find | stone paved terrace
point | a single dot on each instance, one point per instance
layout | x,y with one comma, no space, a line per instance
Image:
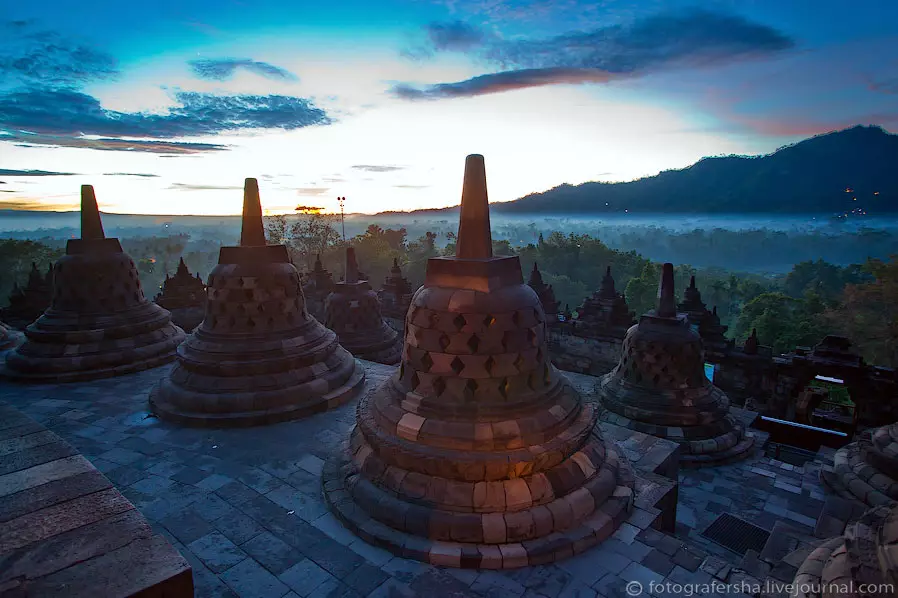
245,506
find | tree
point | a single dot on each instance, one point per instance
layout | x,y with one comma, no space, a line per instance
783,322
642,291
868,314
313,233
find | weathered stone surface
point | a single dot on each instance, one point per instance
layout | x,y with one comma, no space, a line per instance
477,453
545,293
64,531
258,357
866,471
8,338
184,296
99,323
660,388
352,310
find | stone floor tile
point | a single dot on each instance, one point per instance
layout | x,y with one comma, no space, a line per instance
260,481
548,581
124,476
577,589
187,526
331,526
213,482
365,579
217,552
304,506
658,562
236,493
405,570
392,588
190,475
305,577
641,574
249,579
212,507
153,485
121,456
311,464
238,527
372,554
435,583
466,576
272,553
502,582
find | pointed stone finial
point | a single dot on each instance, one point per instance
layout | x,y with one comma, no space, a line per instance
608,271
667,306
252,232
692,282
714,311
395,262
352,266
91,225
474,240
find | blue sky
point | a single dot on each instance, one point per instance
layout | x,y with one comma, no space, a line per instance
166,108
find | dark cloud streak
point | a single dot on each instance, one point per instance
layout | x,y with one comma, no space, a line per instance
223,69
377,167
687,38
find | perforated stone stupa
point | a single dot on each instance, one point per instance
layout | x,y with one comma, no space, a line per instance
184,296
317,286
258,357
99,323
867,470
396,292
660,388
605,312
8,338
28,303
478,453
705,321
865,556
352,310
544,291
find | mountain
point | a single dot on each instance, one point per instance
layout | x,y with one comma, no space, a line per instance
812,176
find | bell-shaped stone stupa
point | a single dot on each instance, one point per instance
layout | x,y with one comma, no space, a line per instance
544,291
258,357
352,310
8,338
861,562
99,323
867,470
659,387
184,296
478,453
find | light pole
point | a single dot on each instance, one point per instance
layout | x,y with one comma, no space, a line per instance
341,201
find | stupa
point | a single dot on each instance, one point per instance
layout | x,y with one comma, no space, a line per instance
99,323
8,338
258,357
318,285
544,291
864,558
605,312
352,310
28,303
867,470
477,452
184,296
396,292
659,387
705,321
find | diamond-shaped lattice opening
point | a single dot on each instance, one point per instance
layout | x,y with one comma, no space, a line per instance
531,336
433,319
473,343
250,322
489,320
458,321
414,381
504,387
547,375
539,354
444,341
519,362
457,365
531,381
426,362
488,364
239,282
536,315
515,318
439,385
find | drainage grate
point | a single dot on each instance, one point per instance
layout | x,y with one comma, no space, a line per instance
735,534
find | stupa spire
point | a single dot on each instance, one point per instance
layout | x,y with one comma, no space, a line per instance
91,225
667,306
692,282
252,232
352,266
474,240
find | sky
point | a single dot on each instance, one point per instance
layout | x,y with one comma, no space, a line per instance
166,107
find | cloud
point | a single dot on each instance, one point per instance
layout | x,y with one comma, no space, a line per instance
377,167
411,186
312,190
686,38
888,86
192,187
72,113
140,174
34,205
8,172
31,55
498,82
454,35
167,148
222,69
